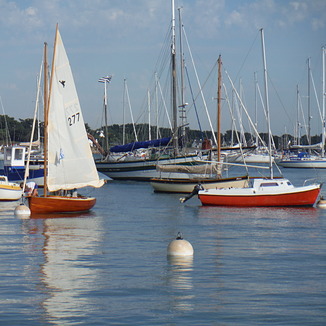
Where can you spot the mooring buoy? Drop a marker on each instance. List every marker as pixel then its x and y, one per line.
pixel 180 247
pixel 22 211
pixel 321 203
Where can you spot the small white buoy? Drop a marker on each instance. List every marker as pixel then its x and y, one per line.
pixel 180 247
pixel 321 203
pixel 22 211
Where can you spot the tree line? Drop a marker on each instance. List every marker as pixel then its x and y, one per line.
pixel 15 131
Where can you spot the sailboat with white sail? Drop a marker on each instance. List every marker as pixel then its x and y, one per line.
pixel 68 160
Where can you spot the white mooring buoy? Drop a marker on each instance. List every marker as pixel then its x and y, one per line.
pixel 321 203
pixel 180 247
pixel 22 211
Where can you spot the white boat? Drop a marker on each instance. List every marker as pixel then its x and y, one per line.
pixel 14 165
pixel 68 159
pixel 304 161
pixel 271 192
pixel 249 158
pixel 9 191
pixel 262 192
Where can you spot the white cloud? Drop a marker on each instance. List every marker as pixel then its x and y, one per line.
pixel 318 24
pixel 12 15
pixel 236 18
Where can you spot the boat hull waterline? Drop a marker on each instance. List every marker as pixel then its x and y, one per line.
pixel 60 204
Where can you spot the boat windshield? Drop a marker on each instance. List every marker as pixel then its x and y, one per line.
pixel 269 184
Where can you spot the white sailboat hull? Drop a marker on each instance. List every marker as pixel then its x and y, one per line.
pixel 8 194
pixel 9 191
pixel 319 163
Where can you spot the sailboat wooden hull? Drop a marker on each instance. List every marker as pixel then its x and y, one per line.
pixel 60 204
pixel 270 193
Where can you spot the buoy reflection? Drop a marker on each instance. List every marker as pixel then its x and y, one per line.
pixel 180 279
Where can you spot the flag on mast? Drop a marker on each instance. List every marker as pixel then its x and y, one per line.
pixel 106 79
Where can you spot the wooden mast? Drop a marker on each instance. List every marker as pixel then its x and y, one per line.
pixel 47 96
pixel 45 71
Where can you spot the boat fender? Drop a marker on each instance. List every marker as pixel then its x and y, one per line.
pixel 180 247
pixel 193 193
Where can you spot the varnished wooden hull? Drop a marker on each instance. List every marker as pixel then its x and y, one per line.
pixel 59 204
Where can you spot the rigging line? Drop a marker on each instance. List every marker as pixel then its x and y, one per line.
pixel 194 103
pixel 246 57
pixel 130 111
pixel 200 88
pixel 242 105
pixel 265 114
pixel 303 116
pixel 234 126
pixel 160 63
pixel 279 98
pixel 7 134
pixel 164 104
pixel 316 97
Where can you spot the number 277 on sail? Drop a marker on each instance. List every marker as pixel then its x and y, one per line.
pixel 73 119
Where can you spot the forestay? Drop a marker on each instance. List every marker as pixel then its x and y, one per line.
pixel 70 161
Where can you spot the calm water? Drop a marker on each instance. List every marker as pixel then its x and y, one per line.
pixel 109 267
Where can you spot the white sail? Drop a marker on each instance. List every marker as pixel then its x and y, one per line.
pixel 70 161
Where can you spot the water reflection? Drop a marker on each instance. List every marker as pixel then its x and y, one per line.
pixel 67 273
pixel 7 208
pixel 61 215
pixel 311 213
pixel 180 280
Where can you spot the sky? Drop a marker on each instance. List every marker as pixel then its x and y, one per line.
pixel 124 38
